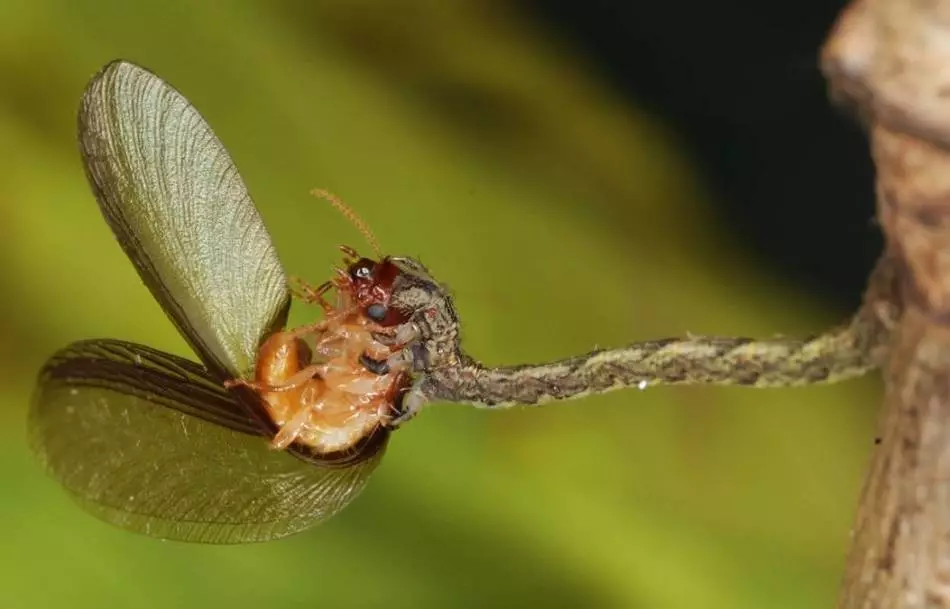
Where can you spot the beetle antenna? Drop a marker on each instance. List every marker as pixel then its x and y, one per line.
pixel 350 215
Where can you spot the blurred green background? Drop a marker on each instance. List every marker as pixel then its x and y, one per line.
pixel 563 219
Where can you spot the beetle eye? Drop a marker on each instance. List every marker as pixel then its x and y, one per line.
pixel 376 312
pixel 362 269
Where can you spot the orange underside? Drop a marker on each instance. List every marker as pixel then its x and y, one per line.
pixel 320 394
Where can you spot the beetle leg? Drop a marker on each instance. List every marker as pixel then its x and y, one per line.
pixel 291 429
pixel 395 337
pixel 292 382
pixel 412 403
pixel 379 367
pixel 305 292
pixel 298 378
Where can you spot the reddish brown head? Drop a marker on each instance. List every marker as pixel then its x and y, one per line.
pixel 371 283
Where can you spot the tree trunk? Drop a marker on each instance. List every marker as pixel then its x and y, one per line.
pixel 889 60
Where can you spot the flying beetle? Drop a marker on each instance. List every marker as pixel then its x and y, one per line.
pixel 162 445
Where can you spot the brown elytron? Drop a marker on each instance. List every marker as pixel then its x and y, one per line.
pixel 328 385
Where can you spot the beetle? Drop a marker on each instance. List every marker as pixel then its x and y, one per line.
pixel 156 443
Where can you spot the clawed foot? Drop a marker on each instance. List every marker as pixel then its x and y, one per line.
pixel 402 419
pixel 412 404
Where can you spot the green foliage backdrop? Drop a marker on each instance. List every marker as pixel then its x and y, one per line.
pixel 562 219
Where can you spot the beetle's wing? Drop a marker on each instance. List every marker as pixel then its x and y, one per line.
pixel 180 210
pixel 152 443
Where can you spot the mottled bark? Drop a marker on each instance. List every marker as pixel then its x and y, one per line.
pixel 890 61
